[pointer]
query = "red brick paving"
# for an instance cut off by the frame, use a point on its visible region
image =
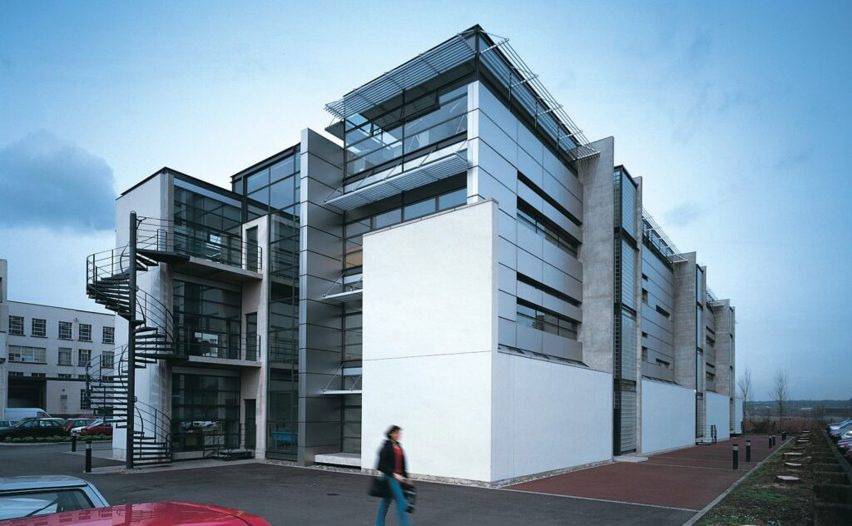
(687, 478)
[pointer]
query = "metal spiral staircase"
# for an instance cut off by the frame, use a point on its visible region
(110, 281)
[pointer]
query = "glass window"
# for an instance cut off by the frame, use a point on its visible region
(107, 359)
(84, 356)
(282, 194)
(16, 325)
(109, 335)
(207, 320)
(282, 169)
(41, 502)
(64, 356)
(65, 330)
(531, 218)
(39, 328)
(84, 399)
(64, 376)
(85, 332)
(256, 181)
(420, 209)
(547, 321)
(25, 354)
(388, 218)
(628, 271)
(452, 199)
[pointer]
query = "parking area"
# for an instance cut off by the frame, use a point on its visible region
(686, 479)
(291, 495)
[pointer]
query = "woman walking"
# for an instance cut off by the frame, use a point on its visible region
(392, 467)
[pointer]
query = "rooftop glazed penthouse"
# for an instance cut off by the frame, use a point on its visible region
(451, 254)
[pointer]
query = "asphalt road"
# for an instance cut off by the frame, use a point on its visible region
(289, 495)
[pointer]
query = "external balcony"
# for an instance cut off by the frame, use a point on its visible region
(214, 349)
(346, 288)
(346, 380)
(434, 166)
(199, 250)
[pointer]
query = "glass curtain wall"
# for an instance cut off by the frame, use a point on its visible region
(207, 226)
(207, 320)
(625, 342)
(274, 190)
(205, 412)
(426, 117)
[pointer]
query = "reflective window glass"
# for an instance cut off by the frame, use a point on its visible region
(419, 209)
(452, 199)
(387, 218)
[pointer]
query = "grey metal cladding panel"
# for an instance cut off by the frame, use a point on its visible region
(654, 268)
(530, 265)
(657, 296)
(507, 279)
(496, 165)
(492, 188)
(562, 260)
(507, 253)
(559, 280)
(530, 293)
(560, 306)
(506, 306)
(321, 265)
(319, 313)
(530, 241)
(653, 370)
(321, 362)
(554, 345)
(323, 171)
(507, 226)
(559, 218)
(317, 191)
(525, 193)
(530, 168)
(321, 242)
(562, 195)
(314, 287)
(322, 408)
(324, 218)
(507, 332)
(496, 138)
(322, 434)
(322, 338)
(529, 338)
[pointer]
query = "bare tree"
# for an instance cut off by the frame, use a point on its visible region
(780, 391)
(744, 383)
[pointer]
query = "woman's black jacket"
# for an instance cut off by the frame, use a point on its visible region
(387, 461)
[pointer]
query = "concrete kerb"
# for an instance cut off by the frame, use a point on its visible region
(736, 483)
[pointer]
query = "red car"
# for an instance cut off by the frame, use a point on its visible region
(97, 428)
(149, 514)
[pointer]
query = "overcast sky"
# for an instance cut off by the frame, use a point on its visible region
(736, 115)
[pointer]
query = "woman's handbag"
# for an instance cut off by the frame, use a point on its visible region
(378, 487)
(410, 493)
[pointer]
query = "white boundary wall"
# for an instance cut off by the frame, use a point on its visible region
(718, 414)
(430, 333)
(548, 416)
(668, 416)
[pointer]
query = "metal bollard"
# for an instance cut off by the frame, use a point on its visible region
(736, 451)
(73, 443)
(783, 436)
(748, 450)
(88, 456)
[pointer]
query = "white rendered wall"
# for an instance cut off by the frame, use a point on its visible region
(548, 416)
(668, 416)
(718, 414)
(430, 331)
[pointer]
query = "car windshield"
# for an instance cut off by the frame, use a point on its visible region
(41, 503)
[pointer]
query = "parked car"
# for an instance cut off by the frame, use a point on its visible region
(98, 427)
(71, 423)
(836, 433)
(20, 413)
(6, 424)
(148, 514)
(34, 427)
(41, 495)
(844, 445)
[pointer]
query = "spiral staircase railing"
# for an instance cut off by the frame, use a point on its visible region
(108, 282)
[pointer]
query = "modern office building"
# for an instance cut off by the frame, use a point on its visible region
(45, 352)
(451, 255)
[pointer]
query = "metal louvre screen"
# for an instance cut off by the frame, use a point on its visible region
(628, 346)
(628, 421)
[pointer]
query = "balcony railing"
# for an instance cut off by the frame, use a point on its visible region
(195, 240)
(248, 349)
